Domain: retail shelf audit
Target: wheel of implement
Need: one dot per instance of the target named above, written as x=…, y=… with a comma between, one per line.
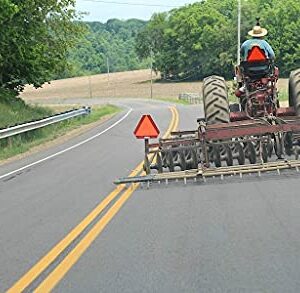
x=216, y=152
x=194, y=159
x=182, y=160
x=170, y=160
x=257, y=148
x=215, y=99
x=188, y=157
x=288, y=144
x=239, y=151
x=228, y=155
x=264, y=152
x=251, y=152
x=159, y=163
x=270, y=147
x=294, y=91
x=278, y=145
x=164, y=157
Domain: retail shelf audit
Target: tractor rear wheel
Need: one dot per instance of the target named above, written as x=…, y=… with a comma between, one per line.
x=294, y=91
x=215, y=99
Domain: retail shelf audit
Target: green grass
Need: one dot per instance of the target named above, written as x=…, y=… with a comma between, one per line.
x=24, y=142
x=14, y=110
x=283, y=96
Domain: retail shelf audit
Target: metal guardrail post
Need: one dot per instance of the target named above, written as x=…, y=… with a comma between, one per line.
x=191, y=98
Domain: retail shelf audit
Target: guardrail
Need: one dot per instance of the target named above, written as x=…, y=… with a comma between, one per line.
x=22, y=128
x=192, y=98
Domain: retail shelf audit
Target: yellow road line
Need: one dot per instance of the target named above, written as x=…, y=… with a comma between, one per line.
x=60, y=271
x=43, y=263
x=39, y=267
x=174, y=122
x=56, y=275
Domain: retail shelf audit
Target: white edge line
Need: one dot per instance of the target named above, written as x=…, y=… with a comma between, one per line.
x=69, y=148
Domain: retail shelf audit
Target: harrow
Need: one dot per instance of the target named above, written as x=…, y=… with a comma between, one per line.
x=237, y=148
x=254, y=136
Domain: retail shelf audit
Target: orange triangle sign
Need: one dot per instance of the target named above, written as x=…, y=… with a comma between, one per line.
x=256, y=54
x=146, y=128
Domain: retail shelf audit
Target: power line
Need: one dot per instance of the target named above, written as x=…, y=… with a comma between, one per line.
x=132, y=3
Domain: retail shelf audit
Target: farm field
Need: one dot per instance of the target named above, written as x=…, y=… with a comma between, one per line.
x=130, y=84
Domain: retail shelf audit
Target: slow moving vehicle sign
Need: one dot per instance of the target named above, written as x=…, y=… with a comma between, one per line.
x=146, y=128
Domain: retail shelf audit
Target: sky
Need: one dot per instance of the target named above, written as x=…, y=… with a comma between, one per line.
x=102, y=10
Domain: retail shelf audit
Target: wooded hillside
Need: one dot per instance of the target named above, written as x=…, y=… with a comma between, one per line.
x=201, y=39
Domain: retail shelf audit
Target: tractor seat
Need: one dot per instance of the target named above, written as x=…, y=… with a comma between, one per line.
x=257, y=64
x=257, y=69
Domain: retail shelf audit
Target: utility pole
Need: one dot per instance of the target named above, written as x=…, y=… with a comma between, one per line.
x=90, y=87
x=239, y=32
x=107, y=64
x=151, y=54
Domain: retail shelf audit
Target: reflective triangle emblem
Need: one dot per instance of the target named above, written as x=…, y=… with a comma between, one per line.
x=256, y=54
x=146, y=128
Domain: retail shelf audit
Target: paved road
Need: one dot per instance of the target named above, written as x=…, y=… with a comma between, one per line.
x=232, y=236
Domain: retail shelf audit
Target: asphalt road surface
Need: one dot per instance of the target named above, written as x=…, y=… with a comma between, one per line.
x=224, y=236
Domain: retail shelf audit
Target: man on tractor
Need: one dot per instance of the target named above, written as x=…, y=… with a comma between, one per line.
x=257, y=75
x=257, y=34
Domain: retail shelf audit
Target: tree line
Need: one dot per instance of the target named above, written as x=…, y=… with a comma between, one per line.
x=200, y=39
x=104, y=46
x=42, y=40
x=35, y=37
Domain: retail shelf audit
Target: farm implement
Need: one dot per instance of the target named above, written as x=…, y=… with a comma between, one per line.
x=255, y=135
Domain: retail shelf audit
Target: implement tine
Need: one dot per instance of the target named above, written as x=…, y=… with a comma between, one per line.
x=222, y=172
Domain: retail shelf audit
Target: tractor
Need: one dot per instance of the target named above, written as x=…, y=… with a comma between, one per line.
x=253, y=136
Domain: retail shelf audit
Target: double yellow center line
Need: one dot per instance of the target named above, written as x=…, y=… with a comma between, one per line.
x=66, y=264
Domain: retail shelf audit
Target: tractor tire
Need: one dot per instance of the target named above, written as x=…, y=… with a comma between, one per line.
x=215, y=100
x=294, y=91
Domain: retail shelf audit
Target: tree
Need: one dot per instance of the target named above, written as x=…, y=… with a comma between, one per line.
x=35, y=36
x=114, y=40
x=200, y=39
x=283, y=23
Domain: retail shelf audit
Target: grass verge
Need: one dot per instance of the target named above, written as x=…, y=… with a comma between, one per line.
x=14, y=110
x=24, y=142
x=283, y=96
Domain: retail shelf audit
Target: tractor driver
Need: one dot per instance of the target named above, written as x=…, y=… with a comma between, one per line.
x=257, y=33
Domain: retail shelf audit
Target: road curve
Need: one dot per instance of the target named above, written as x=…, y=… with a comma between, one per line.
x=231, y=236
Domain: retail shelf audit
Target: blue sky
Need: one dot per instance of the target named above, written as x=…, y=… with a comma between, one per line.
x=99, y=11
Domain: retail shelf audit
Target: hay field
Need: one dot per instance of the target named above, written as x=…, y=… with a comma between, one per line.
x=130, y=84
